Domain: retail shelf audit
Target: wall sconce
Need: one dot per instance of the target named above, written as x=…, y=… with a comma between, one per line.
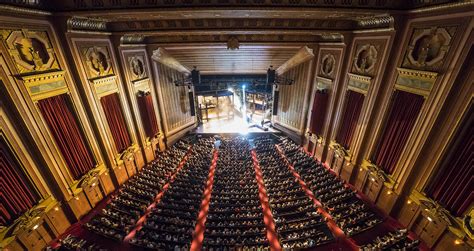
x=389, y=192
x=76, y=198
x=35, y=227
x=56, y=209
x=429, y=218
x=458, y=242
x=409, y=202
x=372, y=179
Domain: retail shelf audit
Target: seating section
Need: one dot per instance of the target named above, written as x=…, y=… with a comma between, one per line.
x=229, y=193
x=350, y=213
x=397, y=240
x=120, y=216
x=235, y=217
x=171, y=223
x=297, y=221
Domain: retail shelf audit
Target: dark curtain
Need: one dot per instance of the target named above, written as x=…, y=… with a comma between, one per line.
x=60, y=117
x=402, y=114
x=318, y=112
x=17, y=193
x=147, y=112
x=353, y=107
x=116, y=120
x=453, y=185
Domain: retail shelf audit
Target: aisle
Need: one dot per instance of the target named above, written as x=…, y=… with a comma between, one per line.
x=198, y=234
x=267, y=213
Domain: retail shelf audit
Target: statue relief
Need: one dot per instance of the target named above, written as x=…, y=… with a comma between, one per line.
x=428, y=48
x=31, y=50
x=327, y=65
x=365, y=60
x=137, y=67
x=97, y=61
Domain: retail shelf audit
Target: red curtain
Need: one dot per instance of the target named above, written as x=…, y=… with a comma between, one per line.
x=353, y=106
x=60, y=117
x=116, y=120
x=403, y=112
x=453, y=185
x=318, y=112
x=147, y=112
x=17, y=194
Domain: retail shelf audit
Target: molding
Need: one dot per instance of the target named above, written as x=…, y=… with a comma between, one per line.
x=84, y=23
x=45, y=85
x=376, y=22
x=132, y=39
x=23, y=11
x=449, y=6
x=359, y=83
x=415, y=81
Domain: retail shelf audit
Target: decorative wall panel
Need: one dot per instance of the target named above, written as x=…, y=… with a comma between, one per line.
x=293, y=98
x=174, y=101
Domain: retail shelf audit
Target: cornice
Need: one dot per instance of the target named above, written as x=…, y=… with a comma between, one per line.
x=23, y=10
x=463, y=4
x=82, y=23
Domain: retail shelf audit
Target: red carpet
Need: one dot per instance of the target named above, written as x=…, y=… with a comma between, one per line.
x=198, y=235
x=267, y=213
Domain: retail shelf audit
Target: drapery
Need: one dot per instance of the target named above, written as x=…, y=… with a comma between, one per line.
x=453, y=184
x=116, y=120
x=318, y=112
x=17, y=194
x=147, y=112
x=60, y=117
x=402, y=114
x=352, y=109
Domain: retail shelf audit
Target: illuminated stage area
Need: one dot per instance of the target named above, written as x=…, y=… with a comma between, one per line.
x=235, y=124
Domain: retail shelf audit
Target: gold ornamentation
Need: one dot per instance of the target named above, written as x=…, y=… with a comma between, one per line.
x=84, y=23
x=45, y=85
x=415, y=81
x=30, y=50
x=328, y=63
x=359, y=83
x=105, y=86
x=365, y=59
x=137, y=67
x=428, y=48
x=98, y=61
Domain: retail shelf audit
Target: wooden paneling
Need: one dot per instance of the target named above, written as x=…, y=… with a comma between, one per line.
x=247, y=59
x=79, y=205
x=408, y=213
x=58, y=221
x=293, y=98
x=174, y=102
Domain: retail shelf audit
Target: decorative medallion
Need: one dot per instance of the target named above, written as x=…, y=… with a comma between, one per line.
x=137, y=67
x=365, y=59
x=98, y=61
x=428, y=48
x=31, y=50
x=328, y=63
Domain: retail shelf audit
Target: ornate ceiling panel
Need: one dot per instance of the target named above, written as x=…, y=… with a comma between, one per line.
x=247, y=59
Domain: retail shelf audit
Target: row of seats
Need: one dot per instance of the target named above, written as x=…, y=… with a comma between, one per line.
x=298, y=224
x=396, y=240
x=350, y=213
x=127, y=205
x=170, y=225
x=235, y=218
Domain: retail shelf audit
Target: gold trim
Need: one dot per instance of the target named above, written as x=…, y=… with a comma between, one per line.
x=359, y=83
x=417, y=74
x=87, y=179
x=415, y=81
x=433, y=208
x=105, y=86
x=44, y=84
x=379, y=173
x=27, y=221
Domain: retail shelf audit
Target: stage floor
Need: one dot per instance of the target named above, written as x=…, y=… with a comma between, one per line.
x=229, y=125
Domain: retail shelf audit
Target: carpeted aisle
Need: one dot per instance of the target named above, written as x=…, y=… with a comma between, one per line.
x=267, y=213
x=198, y=235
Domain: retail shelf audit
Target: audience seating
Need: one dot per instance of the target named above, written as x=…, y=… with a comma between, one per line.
x=397, y=240
x=235, y=217
x=351, y=214
x=297, y=221
x=171, y=223
x=132, y=199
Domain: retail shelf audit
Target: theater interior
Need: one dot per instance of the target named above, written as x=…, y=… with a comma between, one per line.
x=232, y=125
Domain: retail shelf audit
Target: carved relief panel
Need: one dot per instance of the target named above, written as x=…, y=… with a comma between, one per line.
x=428, y=47
x=31, y=50
x=136, y=67
x=327, y=66
x=365, y=59
x=97, y=60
